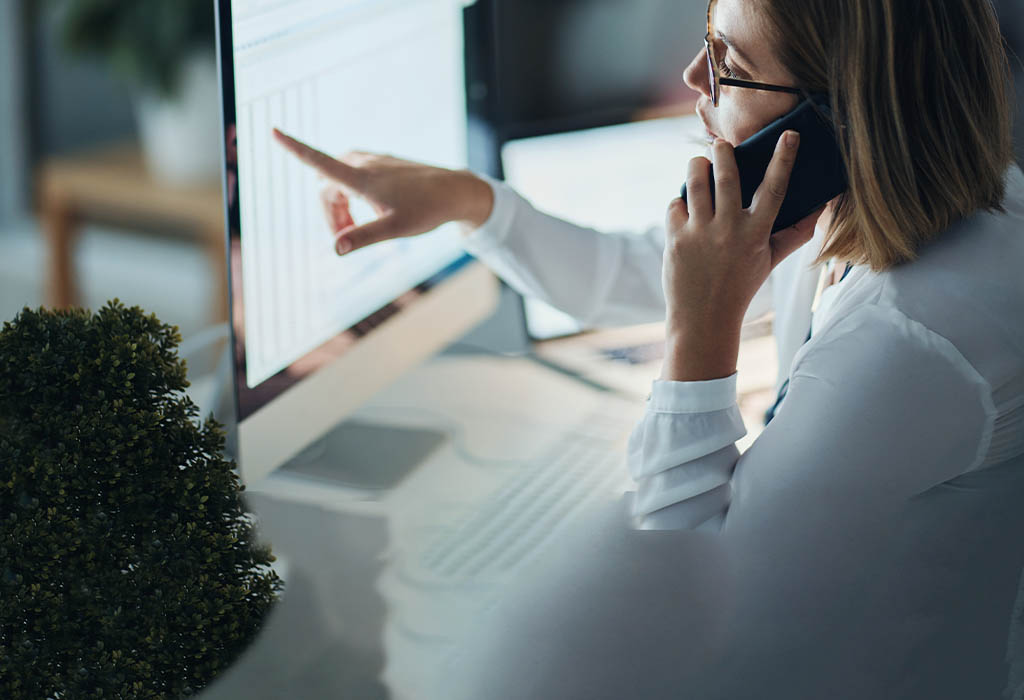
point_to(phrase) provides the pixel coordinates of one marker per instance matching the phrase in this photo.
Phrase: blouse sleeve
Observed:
(601, 279)
(879, 409)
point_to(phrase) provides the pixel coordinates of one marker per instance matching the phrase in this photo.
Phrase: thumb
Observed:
(356, 237)
(336, 209)
(789, 240)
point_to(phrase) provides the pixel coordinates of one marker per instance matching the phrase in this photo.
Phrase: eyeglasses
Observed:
(714, 81)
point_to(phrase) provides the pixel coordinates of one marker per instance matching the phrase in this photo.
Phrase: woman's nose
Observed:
(696, 74)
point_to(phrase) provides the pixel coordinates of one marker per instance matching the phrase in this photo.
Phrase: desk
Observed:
(402, 618)
(352, 551)
(110, 184)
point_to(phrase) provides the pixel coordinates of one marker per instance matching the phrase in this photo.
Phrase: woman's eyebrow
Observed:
(732, 47)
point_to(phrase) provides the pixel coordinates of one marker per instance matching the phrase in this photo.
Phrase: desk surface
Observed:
(344, 546)
(350, 625)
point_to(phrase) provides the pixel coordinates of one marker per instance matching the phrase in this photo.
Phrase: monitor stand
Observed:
(364, 456)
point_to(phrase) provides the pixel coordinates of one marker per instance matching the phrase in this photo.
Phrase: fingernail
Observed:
(343, 246)
(792, 139)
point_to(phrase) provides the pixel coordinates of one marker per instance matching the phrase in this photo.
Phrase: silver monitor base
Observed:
(364, 456)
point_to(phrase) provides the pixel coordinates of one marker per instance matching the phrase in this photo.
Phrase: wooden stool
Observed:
(111, 185)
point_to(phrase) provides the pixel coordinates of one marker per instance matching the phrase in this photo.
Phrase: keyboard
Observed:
(529, 506)
(636, 354)
(436, 591)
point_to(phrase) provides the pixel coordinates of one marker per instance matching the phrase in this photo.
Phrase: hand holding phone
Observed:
(715, 261)
(818, 174)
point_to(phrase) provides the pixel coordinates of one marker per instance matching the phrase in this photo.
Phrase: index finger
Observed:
(331, 167)
(769, 196)
(728, 196)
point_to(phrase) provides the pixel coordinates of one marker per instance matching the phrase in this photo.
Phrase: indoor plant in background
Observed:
(128, 565)
(165, 50)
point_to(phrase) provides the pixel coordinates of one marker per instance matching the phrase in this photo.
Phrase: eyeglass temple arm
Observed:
(736, 82)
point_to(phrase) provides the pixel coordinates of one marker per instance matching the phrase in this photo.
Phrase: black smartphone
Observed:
(818, 174)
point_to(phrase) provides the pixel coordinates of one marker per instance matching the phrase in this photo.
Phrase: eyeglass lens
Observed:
(710, 50)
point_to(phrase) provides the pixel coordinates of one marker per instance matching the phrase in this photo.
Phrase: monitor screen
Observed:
(612, 178)
(558, 62)
(316, 335)
(341, 75)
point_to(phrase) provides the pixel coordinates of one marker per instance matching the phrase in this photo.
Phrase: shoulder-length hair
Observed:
(922, 102)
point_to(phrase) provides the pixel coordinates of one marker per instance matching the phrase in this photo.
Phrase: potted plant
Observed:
(165, 50)
(128, 565)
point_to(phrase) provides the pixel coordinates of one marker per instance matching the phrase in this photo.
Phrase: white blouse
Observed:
(878, 521)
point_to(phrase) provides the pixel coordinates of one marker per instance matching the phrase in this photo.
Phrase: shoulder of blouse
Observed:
(876, 346)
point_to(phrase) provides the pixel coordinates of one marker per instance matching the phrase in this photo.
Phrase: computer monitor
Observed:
(316, 335)
(612, 178)
(546, 76)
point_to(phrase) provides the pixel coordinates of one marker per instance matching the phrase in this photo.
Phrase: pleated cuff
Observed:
(493, 232)
(693, 397)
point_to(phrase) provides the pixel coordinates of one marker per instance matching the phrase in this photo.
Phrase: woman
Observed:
(871, 539)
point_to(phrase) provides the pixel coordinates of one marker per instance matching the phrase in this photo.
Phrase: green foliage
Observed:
(128, 565)
(144, 41)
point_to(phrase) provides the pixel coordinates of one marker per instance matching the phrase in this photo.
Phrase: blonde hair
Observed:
(922, 103)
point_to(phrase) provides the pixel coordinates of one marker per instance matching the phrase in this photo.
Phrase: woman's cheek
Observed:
(735, 131)
(743, 133)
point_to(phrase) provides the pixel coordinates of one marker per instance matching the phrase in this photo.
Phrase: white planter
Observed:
(180, 135)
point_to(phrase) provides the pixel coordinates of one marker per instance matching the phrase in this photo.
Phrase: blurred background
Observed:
(109, 176)
(110, 172)
(85, 213)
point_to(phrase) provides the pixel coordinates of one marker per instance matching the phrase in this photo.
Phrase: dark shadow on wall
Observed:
(71, 103)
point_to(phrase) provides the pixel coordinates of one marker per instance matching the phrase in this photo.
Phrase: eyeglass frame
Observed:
(716, 80)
